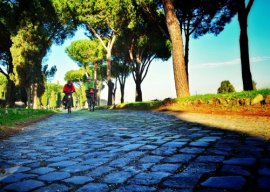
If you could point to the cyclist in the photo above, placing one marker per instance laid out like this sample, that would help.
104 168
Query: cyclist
90 92
69 88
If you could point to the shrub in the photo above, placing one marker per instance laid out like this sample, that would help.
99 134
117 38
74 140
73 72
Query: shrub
254 84
226 87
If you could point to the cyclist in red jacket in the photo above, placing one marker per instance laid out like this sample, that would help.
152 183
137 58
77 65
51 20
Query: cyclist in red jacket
69 88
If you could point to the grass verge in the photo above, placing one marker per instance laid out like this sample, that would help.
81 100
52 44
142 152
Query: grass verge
186 104
14 119
245 119
147 105
236 95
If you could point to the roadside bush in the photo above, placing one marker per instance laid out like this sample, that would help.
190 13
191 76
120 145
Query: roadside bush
226 87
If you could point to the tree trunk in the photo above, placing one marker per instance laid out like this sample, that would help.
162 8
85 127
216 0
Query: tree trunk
109 78
180 76
99 88
28 91
35 97
244 50
187 54
138 96
114 91
122 89
95 71
11 93
108 49
98 97
11 88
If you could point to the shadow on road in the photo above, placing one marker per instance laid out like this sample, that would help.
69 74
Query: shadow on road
124 150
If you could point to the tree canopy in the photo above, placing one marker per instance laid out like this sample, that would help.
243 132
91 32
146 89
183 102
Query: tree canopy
86 52
130 33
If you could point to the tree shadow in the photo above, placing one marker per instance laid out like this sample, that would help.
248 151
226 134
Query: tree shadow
146 151
232 160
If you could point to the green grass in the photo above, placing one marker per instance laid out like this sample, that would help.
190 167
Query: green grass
12 116
147 105
139 105
236 95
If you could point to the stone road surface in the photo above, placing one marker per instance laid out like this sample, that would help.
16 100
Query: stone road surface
125 151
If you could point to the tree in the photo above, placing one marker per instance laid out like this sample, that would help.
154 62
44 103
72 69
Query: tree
201 17
3 85
32 34
179 67
53 100
24 53
226 87
101 77
76 76
51 95
44 100
7 23
104 20
86 52
243 12
141 44
122 70
47 75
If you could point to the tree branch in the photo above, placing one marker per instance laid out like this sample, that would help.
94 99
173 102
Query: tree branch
112 41
145 63
250 3
133 75
146 71
4 73
147 10
97 36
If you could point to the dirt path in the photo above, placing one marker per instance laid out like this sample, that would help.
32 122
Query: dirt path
258 126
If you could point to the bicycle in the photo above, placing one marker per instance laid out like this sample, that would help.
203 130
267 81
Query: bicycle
68 101
91 99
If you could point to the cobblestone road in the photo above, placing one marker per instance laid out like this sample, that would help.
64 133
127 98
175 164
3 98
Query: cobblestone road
125 151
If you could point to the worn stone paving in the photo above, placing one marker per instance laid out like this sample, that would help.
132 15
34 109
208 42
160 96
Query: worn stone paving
125 151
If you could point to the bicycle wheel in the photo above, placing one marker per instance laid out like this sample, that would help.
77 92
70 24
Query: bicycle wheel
92 103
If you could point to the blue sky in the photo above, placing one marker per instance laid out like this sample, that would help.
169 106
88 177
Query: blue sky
212 59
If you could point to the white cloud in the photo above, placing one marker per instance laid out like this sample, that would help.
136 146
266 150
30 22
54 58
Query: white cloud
228 63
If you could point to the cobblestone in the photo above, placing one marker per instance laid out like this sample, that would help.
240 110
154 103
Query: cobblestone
235 170
26 185
53 187
15 177
94 187
225 182
150 178
178 181
123 151
117 178
241 161
54 176
136 188
78 180
42 170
